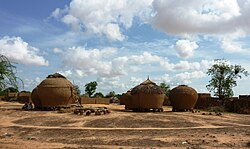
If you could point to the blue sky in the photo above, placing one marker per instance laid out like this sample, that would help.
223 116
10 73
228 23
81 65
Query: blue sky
118 43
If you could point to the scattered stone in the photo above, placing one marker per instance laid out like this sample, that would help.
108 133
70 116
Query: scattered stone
5 135
76 111
81 112
31 138
97 112
92 110
88 112
218 114
27 106
107 111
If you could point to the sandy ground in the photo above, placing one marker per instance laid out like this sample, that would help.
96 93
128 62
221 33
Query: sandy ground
120 129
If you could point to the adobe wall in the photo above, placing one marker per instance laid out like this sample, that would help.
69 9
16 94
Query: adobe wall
87 100
239 104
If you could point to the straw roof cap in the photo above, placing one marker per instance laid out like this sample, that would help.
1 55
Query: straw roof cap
56 75
55 80
147 87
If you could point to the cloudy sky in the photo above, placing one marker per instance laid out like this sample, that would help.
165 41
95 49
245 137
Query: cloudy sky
118 43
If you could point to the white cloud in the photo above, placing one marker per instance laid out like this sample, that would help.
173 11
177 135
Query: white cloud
90 60
104 18
109 84
21 52
31 83
190 75
185 48
135 81
207 16
57 50
112 69
145 58
231 46
186 66
103 62
72 21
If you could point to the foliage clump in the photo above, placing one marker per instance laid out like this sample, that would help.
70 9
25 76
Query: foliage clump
223 78
7 74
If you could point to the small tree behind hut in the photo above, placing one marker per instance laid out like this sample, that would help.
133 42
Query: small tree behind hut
166 88
110 94
98 95
90 88
223 78
77 90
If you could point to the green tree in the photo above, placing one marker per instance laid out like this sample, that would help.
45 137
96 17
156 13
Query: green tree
98 95
223 78
77 90
7 74
165 87
90 88
110 94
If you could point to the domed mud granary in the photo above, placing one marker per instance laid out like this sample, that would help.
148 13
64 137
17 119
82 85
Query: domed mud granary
53 92
125 97
183 98
147 96
35 99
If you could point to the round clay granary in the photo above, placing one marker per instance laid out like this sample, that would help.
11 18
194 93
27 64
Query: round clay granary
54 91
125 97
35 99
183 98
147 95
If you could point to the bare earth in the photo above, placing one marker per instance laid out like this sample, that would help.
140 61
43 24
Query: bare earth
120 129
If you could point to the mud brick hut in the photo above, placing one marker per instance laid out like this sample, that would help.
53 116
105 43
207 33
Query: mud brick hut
183 98
53 92
146 97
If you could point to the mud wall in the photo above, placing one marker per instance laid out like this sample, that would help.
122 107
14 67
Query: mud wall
87 100
239 104
24 97
21 97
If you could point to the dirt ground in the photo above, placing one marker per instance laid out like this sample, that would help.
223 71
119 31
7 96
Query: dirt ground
120 129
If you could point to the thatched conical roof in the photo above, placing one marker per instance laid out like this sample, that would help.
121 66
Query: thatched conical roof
147 87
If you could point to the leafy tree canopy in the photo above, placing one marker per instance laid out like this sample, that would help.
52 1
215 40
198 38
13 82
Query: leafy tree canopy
110 94
7 74
223 78
98 95
165 87
90 88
